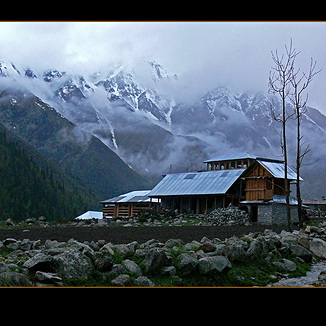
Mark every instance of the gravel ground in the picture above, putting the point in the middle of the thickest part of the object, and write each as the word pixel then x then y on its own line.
pixel 128 234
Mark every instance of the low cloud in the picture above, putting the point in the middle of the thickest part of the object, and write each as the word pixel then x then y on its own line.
pixel 205 55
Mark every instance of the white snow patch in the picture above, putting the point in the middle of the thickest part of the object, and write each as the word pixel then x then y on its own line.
pixel 266 140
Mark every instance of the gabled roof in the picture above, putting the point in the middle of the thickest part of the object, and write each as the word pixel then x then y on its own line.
pixel 277 170
pixel 230 157
pixel 196 183
pixel 130 197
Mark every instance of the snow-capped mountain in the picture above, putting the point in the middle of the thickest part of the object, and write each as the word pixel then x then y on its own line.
pixel 132 109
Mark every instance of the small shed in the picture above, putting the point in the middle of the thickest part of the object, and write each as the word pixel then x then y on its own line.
pixel 129 204
pixel 90 215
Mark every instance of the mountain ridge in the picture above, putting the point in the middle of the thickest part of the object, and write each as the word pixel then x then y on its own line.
pixel 62 142
pixel 135 111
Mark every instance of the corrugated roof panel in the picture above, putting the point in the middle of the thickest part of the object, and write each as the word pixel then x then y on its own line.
pixel 130 197
pixel 202 183
pixel 277 169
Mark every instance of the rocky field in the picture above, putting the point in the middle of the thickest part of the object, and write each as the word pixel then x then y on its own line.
pixel 204 257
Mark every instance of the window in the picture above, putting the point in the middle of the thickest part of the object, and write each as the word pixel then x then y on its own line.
pixel 190 176
pixel 269 183
pixel 233 165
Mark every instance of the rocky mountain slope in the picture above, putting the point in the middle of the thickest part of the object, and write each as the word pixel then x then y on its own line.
pixel 73 150
pixel 134 111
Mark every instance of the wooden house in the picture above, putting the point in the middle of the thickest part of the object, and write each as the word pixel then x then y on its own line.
pixel 265 191
pixel 128 204
pixel 265 178
pixel 242 179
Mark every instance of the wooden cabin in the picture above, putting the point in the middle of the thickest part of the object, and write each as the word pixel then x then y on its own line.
pixel 265 178
pixel 242 179
pixel 128 204
pixel 265 191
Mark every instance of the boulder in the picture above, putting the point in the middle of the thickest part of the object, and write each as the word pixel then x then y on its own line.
pixel 131 267
pixel 168 271
pixel 155 259
pixel 8 241
pixel 286 265
pixel 213 265
pixel 322 278
pixel 304 240
pixel 121 280
pixel 318 247
pixel 143 281
pixel 173 242
pixel 40 261
pixel 302 252
pixel 48 278
pixel 109 248
pixel 25 245
pixel 10 222
pixel 14 279
pixel 193 245
pixel 124 250
pixel 117 269
pixel 222 250
pixel 103 261
pixel 72 264
pixel 186 264
pixel 288 237
pixel 237 253
pixel 257 247
pixel 208 246
pixel 3 267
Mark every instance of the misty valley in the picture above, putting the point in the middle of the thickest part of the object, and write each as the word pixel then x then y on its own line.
pixel 88 137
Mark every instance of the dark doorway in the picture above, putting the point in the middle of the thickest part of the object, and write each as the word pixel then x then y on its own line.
pixel 254 213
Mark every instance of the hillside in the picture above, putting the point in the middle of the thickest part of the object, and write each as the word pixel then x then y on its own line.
pixel 32 187
pixel 75 151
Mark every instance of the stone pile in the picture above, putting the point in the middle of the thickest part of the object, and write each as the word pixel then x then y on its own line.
pixel 228 216
pixel 315 213
pixel 219 217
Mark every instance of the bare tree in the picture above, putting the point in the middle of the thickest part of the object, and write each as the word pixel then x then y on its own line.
pixel 280 83
pixel 300 82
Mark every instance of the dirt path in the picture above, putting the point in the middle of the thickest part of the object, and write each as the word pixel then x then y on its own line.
pixel 129 234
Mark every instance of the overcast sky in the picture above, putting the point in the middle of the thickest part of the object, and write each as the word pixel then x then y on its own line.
pixel 207 54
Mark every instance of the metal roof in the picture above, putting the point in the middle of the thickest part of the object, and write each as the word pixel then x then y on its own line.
pixel 90 215
pixel 130 197
pixel 229 157
pixel 196 183
pixel 277 169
